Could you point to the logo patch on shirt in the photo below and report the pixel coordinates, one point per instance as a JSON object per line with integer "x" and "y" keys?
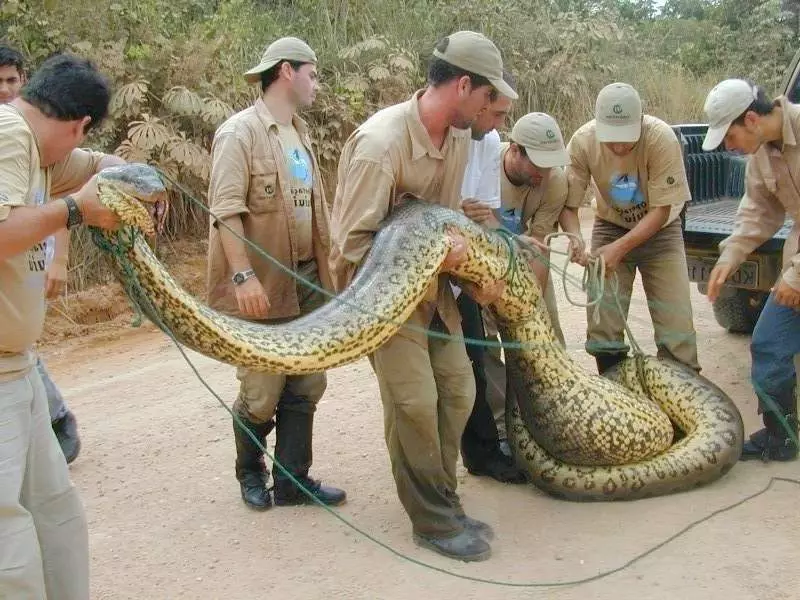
{"x": 670, "y": 180}
{"x": 269, "y": 190}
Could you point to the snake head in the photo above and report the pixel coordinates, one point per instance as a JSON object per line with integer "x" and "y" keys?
{"x": 135, "y": 192}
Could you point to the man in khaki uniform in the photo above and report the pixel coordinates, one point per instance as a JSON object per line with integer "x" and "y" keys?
{"x": 741, "y": 115}
{"x": 44, "y": 546}
{"x": 634, "y": 163}
{"x": 12, "y": 77}
{"x": 420, "y": 147}
{"x": 266, "y": 187}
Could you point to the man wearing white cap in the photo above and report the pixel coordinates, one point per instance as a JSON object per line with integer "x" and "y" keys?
{"x": 746, "y": 120}
{"x": 266, "y": 187}
{"x": 634, "y": 163}
{"x": 420, "y": 148}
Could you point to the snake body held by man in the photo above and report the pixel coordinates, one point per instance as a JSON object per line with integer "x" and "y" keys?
{"x": 580, "y": 436}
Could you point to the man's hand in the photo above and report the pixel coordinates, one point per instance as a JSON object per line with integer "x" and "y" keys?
{"x": 484, "y": 295}
{"x": 612, "y": 255}
{"x": 577, "y": 253}
{"x": 457, "y": 253}
{"x": 252, "y": 300}
{"x": 719, "y": 275}
{"x": 55, "y": 280}
{"x": 532, "y": 241}
{"x": 94, "y": 212}
{"x": 786, "y": 295}
{"x": 480, "y": 213}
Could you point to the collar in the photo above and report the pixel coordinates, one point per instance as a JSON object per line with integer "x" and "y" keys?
{"x": 420, "y": 139}
{"x": 268, "y": 119}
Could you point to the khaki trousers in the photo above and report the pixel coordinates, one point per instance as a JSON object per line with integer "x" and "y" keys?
{"x": 661, "y": 262}
{"x": 259, "y": 392}
{"x": 44, "y": 539}
{"x": 427, "y": 396}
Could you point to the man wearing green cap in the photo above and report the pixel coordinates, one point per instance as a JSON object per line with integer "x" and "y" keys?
{"x": 634, "y": 163}
{"x": 745, "y": 119}
{"x": 420, "y": 148}
{"x": 266, "y": 187}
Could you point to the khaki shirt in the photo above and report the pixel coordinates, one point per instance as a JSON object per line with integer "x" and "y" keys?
{"x": 388, "y": 155}
{"x": 626, "y": 187}
{"x": 772, "y": 191}
{"x": 250, "y": 177}
{"x": 541, "y": 206}
{"x": 23, "y": 182}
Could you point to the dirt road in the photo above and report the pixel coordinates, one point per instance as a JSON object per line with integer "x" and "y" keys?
{"x": 166, "y": 520}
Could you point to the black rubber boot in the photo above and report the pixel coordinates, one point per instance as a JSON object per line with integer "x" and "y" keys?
{"x": 66, "y": 430}
{"x": 772, "y": 442}
{"x": 467, "y": 546}
{"x": 293, "y": 450}
{"x": 606, "y": 361}
{"x": 250, "y": 469}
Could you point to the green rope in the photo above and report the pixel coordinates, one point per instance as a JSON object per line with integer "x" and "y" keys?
{"x": 117, "y": 251}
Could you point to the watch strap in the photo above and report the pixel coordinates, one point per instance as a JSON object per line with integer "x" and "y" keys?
{"x": 74, "y": 215}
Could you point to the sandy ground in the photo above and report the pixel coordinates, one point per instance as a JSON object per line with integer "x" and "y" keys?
{"x": 166, "y": 519}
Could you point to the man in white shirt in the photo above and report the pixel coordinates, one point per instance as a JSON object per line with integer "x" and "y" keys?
{"x": 480, "y": 442}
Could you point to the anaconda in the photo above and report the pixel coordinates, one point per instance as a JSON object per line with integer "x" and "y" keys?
{"x": 580, "y": 436}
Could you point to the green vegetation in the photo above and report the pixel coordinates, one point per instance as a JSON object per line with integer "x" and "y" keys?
{"x": 176, "y": 64}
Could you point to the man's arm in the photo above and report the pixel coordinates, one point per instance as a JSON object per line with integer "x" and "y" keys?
{"x": 650, "y": 224}
{"x": 759, "y": 216}
{"x": 25, "y": 226}
{"x": 364, "y": 195}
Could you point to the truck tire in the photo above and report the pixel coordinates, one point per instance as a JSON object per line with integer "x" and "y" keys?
{"x": 737, "y": 310}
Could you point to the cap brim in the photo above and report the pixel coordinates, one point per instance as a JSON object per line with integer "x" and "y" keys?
{"x": 714, "y": 136}
{"x": 254, "y": 74}
{"x": 621, "y": 134}
{"x": 503, "y": 88}
{"x": 548, "y": 160}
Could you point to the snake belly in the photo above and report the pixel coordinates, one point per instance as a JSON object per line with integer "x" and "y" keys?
{"x": 580, "y": 436}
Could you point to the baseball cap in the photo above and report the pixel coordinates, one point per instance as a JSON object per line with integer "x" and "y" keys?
{"x": 286, "y": 48}
{"x": 618, "y": 114}
{"x": 476, "y": 53}
{"x": 541, "y": 137}
{"x": 724, "y": 104}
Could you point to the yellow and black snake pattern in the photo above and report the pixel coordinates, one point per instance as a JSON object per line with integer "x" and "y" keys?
{"x": 647, "y": 428}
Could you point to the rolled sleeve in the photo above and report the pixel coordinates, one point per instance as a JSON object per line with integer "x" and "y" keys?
{"x": 15, "y": 168}
{"x": 667, "y": 184}
{"x": 555, "y": 196}
{"x": 230, "y": 177}
{"x": 363, "y": 201}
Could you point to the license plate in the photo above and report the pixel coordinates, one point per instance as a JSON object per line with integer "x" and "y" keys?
{"x": 746, "y": 276}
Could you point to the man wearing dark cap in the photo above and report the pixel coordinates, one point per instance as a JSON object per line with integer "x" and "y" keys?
{"x": 420, "y": 147}
{"x": 266, "y": 187}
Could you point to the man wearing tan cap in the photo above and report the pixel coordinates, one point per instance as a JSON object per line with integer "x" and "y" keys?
{"x": 634, "y": 163}
{"x": 266, "y": 187}
{"x": 746, "y": 120}
{"x": 420, "y": 147}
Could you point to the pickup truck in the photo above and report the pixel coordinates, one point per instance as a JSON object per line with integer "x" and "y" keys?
{"x": 716, "y": 181}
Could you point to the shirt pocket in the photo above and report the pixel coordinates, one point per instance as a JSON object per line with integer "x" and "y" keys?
{"x": 265, "y": 194}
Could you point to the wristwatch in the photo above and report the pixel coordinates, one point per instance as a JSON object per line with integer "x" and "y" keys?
{"x": 74, "y": 215}
{"x": 240, "y": 277}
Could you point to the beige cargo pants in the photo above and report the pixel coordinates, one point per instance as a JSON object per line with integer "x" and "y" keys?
{"x": 44, "y": 539}
{"x": 259, "y": 392}
{"x": 661, "y": 262}
{"x": 427, "y": 397}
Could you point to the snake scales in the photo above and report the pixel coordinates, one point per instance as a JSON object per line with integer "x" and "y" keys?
{"x": 649, "y": 427}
